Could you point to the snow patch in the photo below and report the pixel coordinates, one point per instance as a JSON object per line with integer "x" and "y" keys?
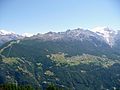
{"x": 27, "y": 34}
{"x": 107, "y": 33}
{"x": 4, "y": 32}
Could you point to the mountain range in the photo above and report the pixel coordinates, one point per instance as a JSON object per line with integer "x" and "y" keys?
{"x": 72, "y": 60}
{"x": 108, "y": 35}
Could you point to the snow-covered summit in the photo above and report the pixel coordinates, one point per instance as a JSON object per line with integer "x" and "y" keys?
{"x": 6, "y": 36}
{"x": 4, "y": 32}
{"x": 107, "y": 33}
{"x": 27, "y": 34}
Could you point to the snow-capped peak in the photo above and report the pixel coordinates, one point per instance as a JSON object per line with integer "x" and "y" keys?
{"x": 102, "y": 30}
{"x": 4, "y": 32}
{"x": 107, "y": 33}
{"x": 27, "y": 34}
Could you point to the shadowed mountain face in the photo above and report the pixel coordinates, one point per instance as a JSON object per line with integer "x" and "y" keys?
{"x": 76, "y": 59}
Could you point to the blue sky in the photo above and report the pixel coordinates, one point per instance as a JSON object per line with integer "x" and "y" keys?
{"x": 34, "y": 16}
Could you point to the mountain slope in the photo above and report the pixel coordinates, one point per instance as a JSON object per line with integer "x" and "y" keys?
{"x": 76, "y": 59}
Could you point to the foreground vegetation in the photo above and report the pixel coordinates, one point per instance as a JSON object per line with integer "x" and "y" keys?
{"x": 15, "y": 87}
{"x": 26, "y": 87}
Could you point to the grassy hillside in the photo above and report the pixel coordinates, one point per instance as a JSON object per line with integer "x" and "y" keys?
{"x": 69, "y": 65}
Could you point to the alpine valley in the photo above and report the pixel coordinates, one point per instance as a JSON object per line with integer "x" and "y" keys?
{"x": 72, "y": 60}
